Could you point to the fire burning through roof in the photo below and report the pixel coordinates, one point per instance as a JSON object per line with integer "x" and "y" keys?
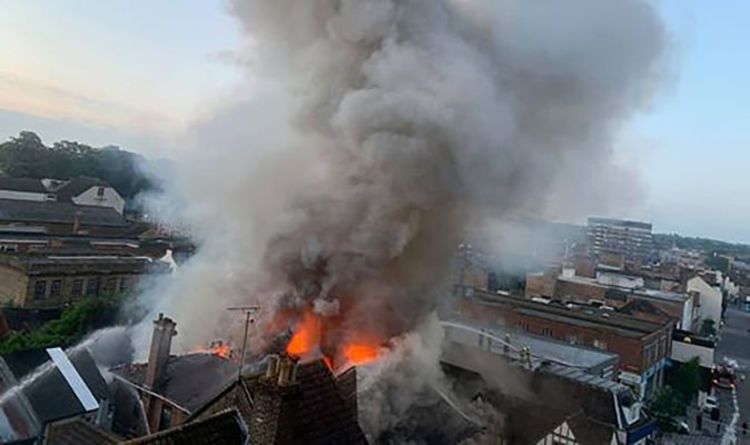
{"x": 217, "y": 348}
{"x": 309, "y": 341}
{"x": 306, "y": 338}
{"x": 387, "y": 129}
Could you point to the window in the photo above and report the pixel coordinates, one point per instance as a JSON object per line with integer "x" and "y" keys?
{"x": 10, "y": 248}
{"x": 40, "y": 289}
{"x": 92, "y": 287}
{"x": 124, "y": 284}
{"x": 56, "y": 289}
{"x": 100, "y": 192}
{"x": 77, "y": 289}
{"x": 547, "y": 332}
{"x": 600, "y": 344}
{"x": 110, "y": 285}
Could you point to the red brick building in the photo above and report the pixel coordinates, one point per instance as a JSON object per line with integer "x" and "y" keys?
{"x": 643, "y": 346}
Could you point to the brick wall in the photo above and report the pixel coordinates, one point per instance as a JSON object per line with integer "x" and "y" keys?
{"x": 635, "y": 353}
{"x": 540, "y": 285}
{"x": 13, "y": 285}
{"x": 583, "y": 292}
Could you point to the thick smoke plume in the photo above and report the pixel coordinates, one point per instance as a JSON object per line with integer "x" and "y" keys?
{"x": 372, "y": 131}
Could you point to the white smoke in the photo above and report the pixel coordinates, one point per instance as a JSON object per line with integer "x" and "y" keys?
{"x": 376, "y": 129}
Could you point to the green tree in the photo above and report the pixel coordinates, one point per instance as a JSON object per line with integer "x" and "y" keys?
{"x": 686, "y": 382}
{"x": 708, "y": 328}
{"x": 27, "y": 156}
{"x": 24, "y": 155}
{"x": 76, "y": 321}
{"x": 665, "y": 407}
{"x": 718, "y": 262}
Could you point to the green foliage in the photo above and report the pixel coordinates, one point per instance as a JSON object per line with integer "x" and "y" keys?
{"x": 76, "y": 321}
{"x": 665, "y": 407}
{"x": 686, "y": 382}
{"x": 718, "y": 262}
{"x": 27, "y": 156}
{"x": 708, "y": 328}
{"x": 672, "y": 400}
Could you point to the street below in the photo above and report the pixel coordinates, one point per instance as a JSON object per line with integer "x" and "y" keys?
{"x": 735, "y": 345}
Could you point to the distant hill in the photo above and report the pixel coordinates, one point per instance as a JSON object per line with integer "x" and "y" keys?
{"x": 667, "y": 241}
{"x": 27, "y": 156}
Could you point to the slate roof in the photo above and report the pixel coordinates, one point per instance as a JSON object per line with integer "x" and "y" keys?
{"x": 634, "y": 307}
{"x": 316, "y": 411}
{"x": 76, "y": 186}
{"x": 50, "y": 395}
{"x": 60, "y": 213}
{"x": 225, "y": 428}
{"x": 191, "y": 380}
{"x": 30, "y": 185}
{"x": 78, "y": 432}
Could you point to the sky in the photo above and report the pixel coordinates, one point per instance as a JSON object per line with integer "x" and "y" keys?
{"x": 137, "y": 73}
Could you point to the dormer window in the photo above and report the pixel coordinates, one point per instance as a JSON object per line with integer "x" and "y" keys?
{"x": 100, "y": 192}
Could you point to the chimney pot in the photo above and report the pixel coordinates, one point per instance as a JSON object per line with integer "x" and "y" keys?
{"x": 272, "y": 367}
{"x": 287, "y": 371}
{"x": 284, "y": 368}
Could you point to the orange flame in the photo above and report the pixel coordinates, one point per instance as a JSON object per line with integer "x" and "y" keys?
{"x": 222, "y": 350}
{"x": 360, "y": 354}
{"x": 217, "y": 348}
{"x": 306, "y": 337}
{"x": 327, "y": 360}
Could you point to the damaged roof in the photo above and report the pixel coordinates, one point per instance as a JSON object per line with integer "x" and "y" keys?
{"x": 77, "y": 432}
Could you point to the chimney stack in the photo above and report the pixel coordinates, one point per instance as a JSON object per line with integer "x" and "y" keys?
{"x": 161, "y": 343}
{"x": 77, "y": 223}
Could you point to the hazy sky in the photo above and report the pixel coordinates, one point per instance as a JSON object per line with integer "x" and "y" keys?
{"x": 136, "y": 73}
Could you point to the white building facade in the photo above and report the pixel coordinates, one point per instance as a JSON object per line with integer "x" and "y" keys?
{"x": 709, "y": 301}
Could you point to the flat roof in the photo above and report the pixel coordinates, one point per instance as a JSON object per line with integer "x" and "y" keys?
{"x": 662, "y": 295}
{"x": 576, "y": 355}
{"x": 652, "y": 293}
{"x": 620, "y": 223}
{"x": 584, "y": 378}
{"x": 613, "y": 321}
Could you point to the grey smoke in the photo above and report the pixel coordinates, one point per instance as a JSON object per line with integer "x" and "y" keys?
{"x": 372, "y": 132}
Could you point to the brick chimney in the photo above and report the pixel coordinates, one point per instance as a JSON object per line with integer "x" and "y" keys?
{"x": 77, "y": 223}
{"x": 161, "y": 342}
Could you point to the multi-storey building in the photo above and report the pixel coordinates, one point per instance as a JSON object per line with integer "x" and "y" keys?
{"x": 52, "y": 280}
{"x": 643, "y": 346}
{"x": 630, "y": 240}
